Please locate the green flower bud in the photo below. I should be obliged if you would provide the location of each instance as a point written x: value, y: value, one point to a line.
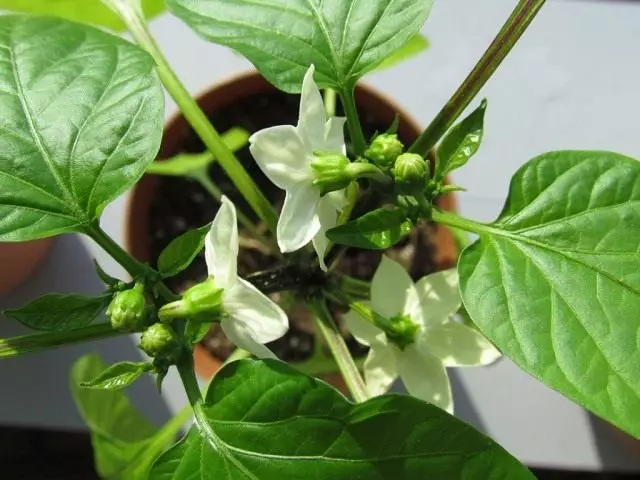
x: 202, y: 300
x: 128, y: 310
x: 411, y: 169
x: 160, y: 341
x: 384, y: 150
x: 331, y: 171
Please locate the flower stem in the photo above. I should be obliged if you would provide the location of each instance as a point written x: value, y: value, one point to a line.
x: 330, y: 101
x: 189, y: 381
x: 130, y: 264
x: 339, y: 349
x: 37, y: 342
x: 202, y: 177
x: 353, y: 121
x: 515, y: 26
x: 133, y: 18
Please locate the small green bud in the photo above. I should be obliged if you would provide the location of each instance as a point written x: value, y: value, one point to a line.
x: 202, y: 300
x: 384, y: 150
x: 331, y: 170
x: 160, y: 341
x: 411, y: 169
x: 128, y: 309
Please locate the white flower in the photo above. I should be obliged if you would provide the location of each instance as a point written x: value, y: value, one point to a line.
x: 439, y: 342
x: 284, y: 153
x: 251, y: 318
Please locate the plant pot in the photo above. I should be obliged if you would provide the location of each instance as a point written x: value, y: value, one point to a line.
x: 19, y: 260
x: 243, y: 101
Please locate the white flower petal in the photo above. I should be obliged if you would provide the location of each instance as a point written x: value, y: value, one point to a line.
x: 258, y: 314
x: 438, y: 296
x: 312, y: 116
x: 282, y: 155
x: 390, y: 288
x: 328, y: 216
x: 363, y: 331
x: 334, y: 135
x: 221, y: 245
x: 457, y: 345
x: 299, y: 221
x: 425, y: 377
x: 380, y: 369
x: 240, y: 335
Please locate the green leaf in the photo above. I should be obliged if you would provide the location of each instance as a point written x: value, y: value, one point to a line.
x: 554, y: 282
x: 179, y: 254
x: 186, y: 163
x: 104, y: 276
x: 85, y: 11
x: 376, y: 230
x: 415, y: 45
x: 264, y: 420
x: 58, y: 312
x: 462, y: 142
x: 282, y: 38
x: 125, y: 444
x: 82, y: 114
x: 118, y: 376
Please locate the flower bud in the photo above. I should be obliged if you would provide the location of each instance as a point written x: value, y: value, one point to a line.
x: 202, y: 300
x: 411, y: 169
x: 331, y: 171
x: 160, y: 341
x: 128, y: 309
x: 384, y: 150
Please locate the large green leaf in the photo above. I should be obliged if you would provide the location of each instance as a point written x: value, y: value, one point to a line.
x: 378, y: 229
x: 344, y: 39
x: 85, y: 11
x: 264, y: 420
x: 125, y: 444
x: 555, y: 281
x: 82, y: 115
x: 58, y: 312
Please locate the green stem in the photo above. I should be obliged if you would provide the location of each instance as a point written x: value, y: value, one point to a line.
x: 136, y: 269
x: 515, y: 26
x: 354, y: 287
x: 134, y: 20
x: 339, y: 349
x: 367, y: 170
x: 361, y: 309
x: 37, y: 342
x: 330, y: 98
x: 335, y: 254
x: 203, y: 179
x: 455, y: 221
x: 189, y: 380
x: 353, y: 121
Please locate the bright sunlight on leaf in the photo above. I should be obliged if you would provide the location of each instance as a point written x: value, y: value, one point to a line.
x: 344, y: 39
x: 555, y: 281
x: 82, y: 115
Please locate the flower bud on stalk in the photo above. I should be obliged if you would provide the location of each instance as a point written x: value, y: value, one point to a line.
x: 160, y: 342
x: 128, y: 309
x: 411, y: 170
x: 384, y: 150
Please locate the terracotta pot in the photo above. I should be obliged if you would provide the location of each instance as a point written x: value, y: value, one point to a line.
x: 19, y: 260
x: 369, y: 102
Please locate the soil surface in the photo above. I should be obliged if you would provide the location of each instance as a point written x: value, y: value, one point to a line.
x: 181, y: 205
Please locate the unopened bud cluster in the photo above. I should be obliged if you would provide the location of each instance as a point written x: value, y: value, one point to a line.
x: 128, y: 310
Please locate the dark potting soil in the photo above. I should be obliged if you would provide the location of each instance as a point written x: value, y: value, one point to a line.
x: 180, y: 205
